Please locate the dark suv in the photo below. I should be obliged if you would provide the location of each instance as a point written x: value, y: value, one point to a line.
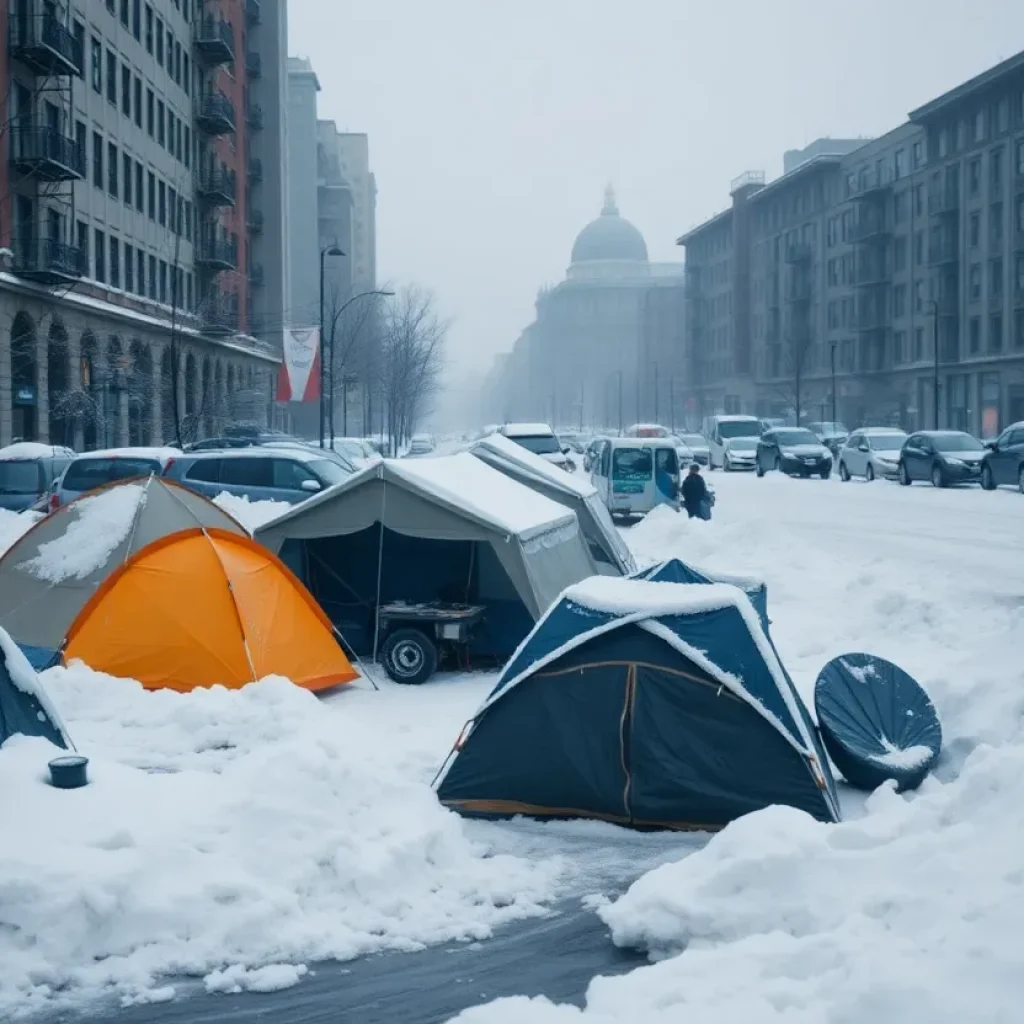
x: 28, y: 471
x: 1004, y: 461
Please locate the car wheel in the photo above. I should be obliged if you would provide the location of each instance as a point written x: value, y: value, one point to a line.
x: 844, y: 473
x: 938, y: 477
x: 777, y: 466
x: 904, y: 475
x: 869, y: 474
x: 726, y: 464
x: 758, y: 468
x: 409, y: 656
x: 826, y: 473
x: 987, y: 481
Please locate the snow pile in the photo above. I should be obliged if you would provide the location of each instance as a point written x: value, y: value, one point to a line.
x: 276, y: 832
x: 25, y: 678
x: 99, y: 524
x: 251, y: 514
x: 898, y: 757
x: 14, y: 524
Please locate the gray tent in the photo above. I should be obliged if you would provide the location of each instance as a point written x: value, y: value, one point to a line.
x: 48, y: 574
x: 609, y: 554
x: 418, y: 530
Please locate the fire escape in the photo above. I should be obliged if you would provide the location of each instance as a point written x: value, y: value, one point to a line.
x: 216, y: 252
x: 871, y: 276
x: 45, y: 160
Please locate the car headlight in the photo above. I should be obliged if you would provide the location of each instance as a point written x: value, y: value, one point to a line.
x: 952, y: 461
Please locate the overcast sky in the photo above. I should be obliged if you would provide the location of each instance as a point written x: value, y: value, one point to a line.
x: 495, y: 125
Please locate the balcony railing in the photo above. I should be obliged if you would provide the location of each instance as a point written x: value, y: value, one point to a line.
x: 216, y: 255
x: 869, y: 229
x: 215, y: 41
x: 255, y: 170
x: 215, y: 113
x: 870, y: 275
x: 799, y: 252
x: 218, y: 316
x: 254, y: 222
x: 254, y: 117
x: 42, y: 43
x: 256, y: 275
x: 873, y: 185
x: 45, y: 154
x: 253, y: 65
x: 46, y: 260
x: 253, y: 14
x: 216, y: 187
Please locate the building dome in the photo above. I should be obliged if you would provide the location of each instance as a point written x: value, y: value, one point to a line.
x: 610, y: 237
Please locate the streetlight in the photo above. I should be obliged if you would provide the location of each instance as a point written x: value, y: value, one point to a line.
x: 934, y: 303
x: 328, y: 250
x: 330, y: 387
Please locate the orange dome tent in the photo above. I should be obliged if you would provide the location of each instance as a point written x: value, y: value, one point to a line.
x: 206, y: 606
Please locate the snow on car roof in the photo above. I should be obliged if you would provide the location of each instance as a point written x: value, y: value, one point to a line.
x: 466, y: 481
x: 527, y: 430
x: 32, y: 450
x: 281, y: 451
x: 162, y: 454
x: 516, y: 453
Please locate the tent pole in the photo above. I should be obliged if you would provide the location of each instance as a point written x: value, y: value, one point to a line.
x: 380, y: 565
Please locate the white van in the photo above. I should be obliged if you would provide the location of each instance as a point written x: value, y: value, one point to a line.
x: 719, y: 429
x: 634, y: 474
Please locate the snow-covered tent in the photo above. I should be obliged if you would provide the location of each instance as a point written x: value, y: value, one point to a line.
x: 25, y: 707
x: 645, y: 704
x: 438, y: 529
x: 608, y: 551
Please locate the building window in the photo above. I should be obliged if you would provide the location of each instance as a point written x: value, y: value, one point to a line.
x: 80, y: 140
x: 177, y: 63
x: 1019, y: 160
x: 96, y: 62
x: 918, y: 353
x: 995, y: 279
x: 124, y: 13
x: 974, y: 178
x: 974, y: 335
x: 899, y: 164
x: 974, y: 229
x: 995, y: 225
x: 149, y: 29
x: 995, y: 333
x: 188, y: 291
x: 899, y: 253
x: 150, y: 113
x: 919, y: 200
x: 126, y: 185
x: 1018, y: 329
x: 974, y: 282
x: 129, y: 268
x: 899, y: 300
x: 112, y: 169
x: 943, y: 143
x: 82, y: 238
x: 115, y: 263
x: 172, y: 209
x: 162, y: 218
x: 100, y: 251
x: 110, y: 6
x: 163, y: 281
x: 140, y: 266
x: 188, y: 220
x: 996, y: 169
x: 918, y: 248
x: 159, y: 41
x: 140, y: 199
x: 899, y: 346
x: 138, y: 102
x: 152, y: 195
x: 111, y: 77
x: 918, y: 154
x: 79, y: 33
x: 919, y: 296
x: 152, y: 277
x: 137, y: 19
x: 979, y: 126
x: 187, y: 147
x: 126, y: 90
x: 160, y: 137
x: 1003, y: 115
x: 97, y: 160
x: 185, y: 74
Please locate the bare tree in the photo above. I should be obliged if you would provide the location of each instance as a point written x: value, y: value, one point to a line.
x: 409, y: 362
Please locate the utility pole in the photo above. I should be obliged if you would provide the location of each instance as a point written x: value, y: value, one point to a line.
x: 935, y: 353
x: 833, y: 354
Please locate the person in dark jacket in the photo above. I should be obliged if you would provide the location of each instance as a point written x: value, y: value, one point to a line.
x: 695, y: 494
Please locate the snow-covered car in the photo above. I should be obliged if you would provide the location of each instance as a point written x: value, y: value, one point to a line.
x: 646, y: 430
x: 420, y: 444
x: 739, y: 453
x: 794, y: 451
x: 540, y: 439
x: 357, y: 451
x: 97, y: 469
x: 698, y: 446
x: 28, y: 471
x: 944, y: 457
x: 871, y: 452
x: 832, y: 435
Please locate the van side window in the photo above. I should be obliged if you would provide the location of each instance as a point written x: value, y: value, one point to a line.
x: 206, y: 471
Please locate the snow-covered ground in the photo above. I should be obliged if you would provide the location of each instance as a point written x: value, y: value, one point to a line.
x: 240, y: 836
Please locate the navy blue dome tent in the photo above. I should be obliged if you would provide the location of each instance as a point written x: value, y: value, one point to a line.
x: 676, y: 571
x: 24, y: 706
x: 877, y: 722
x: 646, y: 704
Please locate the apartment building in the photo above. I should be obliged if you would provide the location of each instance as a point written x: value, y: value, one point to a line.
x: 886, y: 282
x: 124, y: 295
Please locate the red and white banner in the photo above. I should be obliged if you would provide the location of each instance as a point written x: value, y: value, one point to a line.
x: 299, y: 376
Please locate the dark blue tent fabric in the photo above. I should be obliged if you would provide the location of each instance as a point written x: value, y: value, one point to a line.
x: 21, y: 712
x: 591, y: 695
x: 40, y: 658
x: 676, y: 571
x: 874, y: 718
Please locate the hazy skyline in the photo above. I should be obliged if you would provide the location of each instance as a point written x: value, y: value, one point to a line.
x: 494, y: 127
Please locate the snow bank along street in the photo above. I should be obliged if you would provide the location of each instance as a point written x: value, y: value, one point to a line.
x: 243, y: 835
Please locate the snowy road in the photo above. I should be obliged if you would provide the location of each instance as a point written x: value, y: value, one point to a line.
x: 932, y: 579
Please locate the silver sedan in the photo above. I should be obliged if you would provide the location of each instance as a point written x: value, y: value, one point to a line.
x: 870, y: 453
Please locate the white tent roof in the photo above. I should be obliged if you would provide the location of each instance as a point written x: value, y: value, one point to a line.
x: 516, y: 453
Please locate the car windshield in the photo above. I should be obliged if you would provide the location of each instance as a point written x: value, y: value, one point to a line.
x: 739, y: 428
x: 957, y: 443
x: 539, y: 444
x: 19, y: 477
x: 329, y: 472
x: 632, y: 464
x: 791, y: 437
x: 886, y: 442
x: 85, y: 474
x: 742, y: 443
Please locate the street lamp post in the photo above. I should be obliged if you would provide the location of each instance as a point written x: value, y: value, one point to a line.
x: 330, y: 359
x: 833, y: 354
x: 327, y: 250
x: 935, y: 371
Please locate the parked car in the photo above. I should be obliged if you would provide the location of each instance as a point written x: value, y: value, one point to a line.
x: 739, y: 453
x: 635, y: 474
x: 942, y: 456
x: 540, y: 439
x: 832, y: 435
x: 719, y: 429
x: 28, y: 471
x: 219, y: 444
x: 871, y: 452
x: 683, y: 451
x: 772, y: 423
x: 794, y: 451
x: 356, y: 450
x: 1003, y: 462
x: 646, y: 430
x: 259, y: 474
x: 421, y: 444
x: 324, y: 453
x: 97, y: 469
x: 698, y: 446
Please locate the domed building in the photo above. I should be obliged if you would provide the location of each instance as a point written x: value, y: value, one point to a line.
x: 603, y: 342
